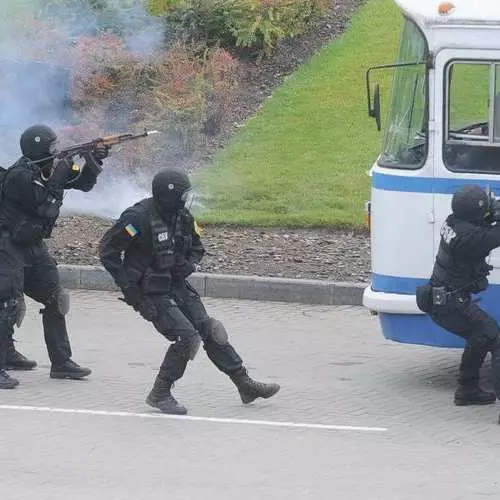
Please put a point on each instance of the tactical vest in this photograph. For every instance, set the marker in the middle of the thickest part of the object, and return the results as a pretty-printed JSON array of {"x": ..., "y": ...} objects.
[
  {"x": 459, "y": 275},
  {"x": 24, "y": 227},
  {"x": 170, "y": 244}
]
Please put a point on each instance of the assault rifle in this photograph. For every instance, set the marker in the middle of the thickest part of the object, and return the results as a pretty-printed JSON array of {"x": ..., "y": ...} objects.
[{"x": 84, "y": 147}]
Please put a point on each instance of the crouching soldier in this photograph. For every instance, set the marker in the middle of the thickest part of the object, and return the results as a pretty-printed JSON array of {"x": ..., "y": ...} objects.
[{"x": 468, "y": 235}]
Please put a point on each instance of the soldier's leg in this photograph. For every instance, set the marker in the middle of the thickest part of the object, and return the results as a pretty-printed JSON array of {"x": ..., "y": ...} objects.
[
  {"x": 175, "y": 327},
  {"x": 42, "y": 284},
  {"x": 14, "y": 359},
  {"x": 218, "y": 348},
  {"x": 12, "y": 306},
  {"x": 6, "y": 322},
  {"x": 480, "y": 332}
]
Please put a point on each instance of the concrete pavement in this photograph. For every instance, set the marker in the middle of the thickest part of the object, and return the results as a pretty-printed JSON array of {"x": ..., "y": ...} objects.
[{"x": 359, "y": 417}]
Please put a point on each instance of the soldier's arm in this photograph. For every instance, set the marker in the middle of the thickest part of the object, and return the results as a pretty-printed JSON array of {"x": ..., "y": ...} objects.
[
  {"x": 118, "y": 239},
  {"x": 84, "y": 178},
  {"x": 197, "y": 250},
  {"x": 482, "y": 240}
]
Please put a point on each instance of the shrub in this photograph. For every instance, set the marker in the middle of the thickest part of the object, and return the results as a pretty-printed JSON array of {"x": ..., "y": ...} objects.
[{"x": 256, "y": 24}]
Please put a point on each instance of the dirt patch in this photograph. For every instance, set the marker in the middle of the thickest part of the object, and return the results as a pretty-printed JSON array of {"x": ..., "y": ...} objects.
[{"x": 328, "y": 254}]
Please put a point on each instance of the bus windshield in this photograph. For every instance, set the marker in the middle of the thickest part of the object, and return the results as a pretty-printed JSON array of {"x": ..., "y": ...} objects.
[{"x": 406, "y": 138}]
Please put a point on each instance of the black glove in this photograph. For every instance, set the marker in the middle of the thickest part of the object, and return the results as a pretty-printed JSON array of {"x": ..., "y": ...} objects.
[
  {"x": 132, "y": 295},
  {"x": 100, "y": 152},
  {"x": 185, "y": 269}
]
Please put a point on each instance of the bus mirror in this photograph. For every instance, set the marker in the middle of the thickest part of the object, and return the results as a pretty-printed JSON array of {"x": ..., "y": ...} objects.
[
  {"x": 375, "y": 112},
  {"x": 373, "y": 107}
]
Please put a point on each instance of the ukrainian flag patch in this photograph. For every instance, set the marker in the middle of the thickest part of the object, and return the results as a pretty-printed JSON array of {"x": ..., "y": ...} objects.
[{"x": 131, "y": 230}]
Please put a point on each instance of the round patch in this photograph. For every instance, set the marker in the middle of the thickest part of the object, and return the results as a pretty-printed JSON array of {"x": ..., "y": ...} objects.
[
  {"x": 37, "y": 139},
  {"x": 170, "y": 186},
  {"x": 481, "y": 203}
]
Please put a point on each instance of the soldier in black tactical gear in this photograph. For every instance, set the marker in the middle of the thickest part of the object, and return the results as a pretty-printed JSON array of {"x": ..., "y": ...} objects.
[
  {"x": 468, "y": 235},
  {"x": 31, "y": 197},
  {"x": 161, "y": 247}
]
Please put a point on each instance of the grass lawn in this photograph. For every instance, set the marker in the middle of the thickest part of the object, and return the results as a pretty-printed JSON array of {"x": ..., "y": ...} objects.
[{"x": 302, "y": 160}]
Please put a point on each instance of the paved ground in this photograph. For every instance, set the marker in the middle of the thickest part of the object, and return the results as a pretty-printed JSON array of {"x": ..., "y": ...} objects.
[{"x": 390, "y": 430}]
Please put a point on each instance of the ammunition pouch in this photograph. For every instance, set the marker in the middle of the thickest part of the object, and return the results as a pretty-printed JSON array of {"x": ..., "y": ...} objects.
[
  {"x": 424, "y": 298},
  {"x": 439, "y": 295},
  {"x": 156, "y": 282},
  {"x": 165, "y": 259}
]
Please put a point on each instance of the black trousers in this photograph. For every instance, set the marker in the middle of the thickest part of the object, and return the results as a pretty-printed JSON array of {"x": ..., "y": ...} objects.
[
  {"x": 183, "y": 320},
  {"x": 463, "y": 317},
  {"x": 33, "y": 271}
]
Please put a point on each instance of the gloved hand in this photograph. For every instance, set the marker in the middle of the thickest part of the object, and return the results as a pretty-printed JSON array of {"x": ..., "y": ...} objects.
[
  {"x": 132, "y": 295},
  {"x": 100, "y": 152},
  {"x": 184, "y": 269}
]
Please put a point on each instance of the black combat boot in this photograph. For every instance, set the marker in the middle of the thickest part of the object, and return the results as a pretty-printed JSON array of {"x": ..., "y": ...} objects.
[
  {"x": 467, "y": 395},
  {"x": 69, "y": 369},
  {"x": 161, "y": 398},
  {"x": 6, "y": 381},
  {"x": 17, "y": 361},
  {"x": 250, "y": 390}
]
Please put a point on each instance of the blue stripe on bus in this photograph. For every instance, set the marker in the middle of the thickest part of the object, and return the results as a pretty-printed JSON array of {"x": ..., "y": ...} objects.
[
  {"x": 402, "y": 183},
  {"x": 418, "y": 328},
  {"x": 395, "y": 284}
]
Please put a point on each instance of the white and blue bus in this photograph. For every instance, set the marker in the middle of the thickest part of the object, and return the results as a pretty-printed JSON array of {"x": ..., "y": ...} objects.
[{"x": 442, "y": 131}]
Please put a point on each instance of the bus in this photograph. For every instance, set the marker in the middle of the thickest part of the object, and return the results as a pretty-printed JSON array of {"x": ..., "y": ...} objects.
[{"x": 442, "y": 132}]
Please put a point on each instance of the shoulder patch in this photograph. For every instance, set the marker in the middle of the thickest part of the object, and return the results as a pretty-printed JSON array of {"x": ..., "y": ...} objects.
[
  {"x": 197, "y": 228},
  {"x": 447, "y": 233},
  {"x": 131, "y": 230}
]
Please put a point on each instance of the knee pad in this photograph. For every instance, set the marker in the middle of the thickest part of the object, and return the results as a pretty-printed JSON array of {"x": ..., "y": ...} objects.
[
  {"x": 59, "y": 302},
  {"x": 213, "y": 330},
  {"x": 13, "y": 311}
]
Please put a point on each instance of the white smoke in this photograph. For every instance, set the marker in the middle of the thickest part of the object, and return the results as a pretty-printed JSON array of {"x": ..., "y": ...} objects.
[
  {"x": 34, "y": 80},
  {"x": 107, "y": 199}
]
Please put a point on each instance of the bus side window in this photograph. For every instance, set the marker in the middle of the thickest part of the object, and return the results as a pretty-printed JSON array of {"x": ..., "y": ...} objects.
[{"x": 468, "y": 146}]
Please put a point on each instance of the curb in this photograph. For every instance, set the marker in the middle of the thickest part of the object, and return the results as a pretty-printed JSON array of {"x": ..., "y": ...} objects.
[{"x": 229, "y": 286}]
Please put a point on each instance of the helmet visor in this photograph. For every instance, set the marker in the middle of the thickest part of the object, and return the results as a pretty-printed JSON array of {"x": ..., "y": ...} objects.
[{"x": 187, "y": 198}]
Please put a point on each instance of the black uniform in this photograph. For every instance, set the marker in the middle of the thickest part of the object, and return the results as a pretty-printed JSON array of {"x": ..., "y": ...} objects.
[
  {"x": 161, "y": 247},
  {"x": 467, "y": 237},
  {"x": 32, "y": 194}
]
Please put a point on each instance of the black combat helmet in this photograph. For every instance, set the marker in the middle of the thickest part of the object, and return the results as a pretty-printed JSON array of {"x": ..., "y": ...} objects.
[
  {"x": 170, "y": 187},
  {"x": 37, "y": 142},
  {"x": 471, "y": 203}
]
